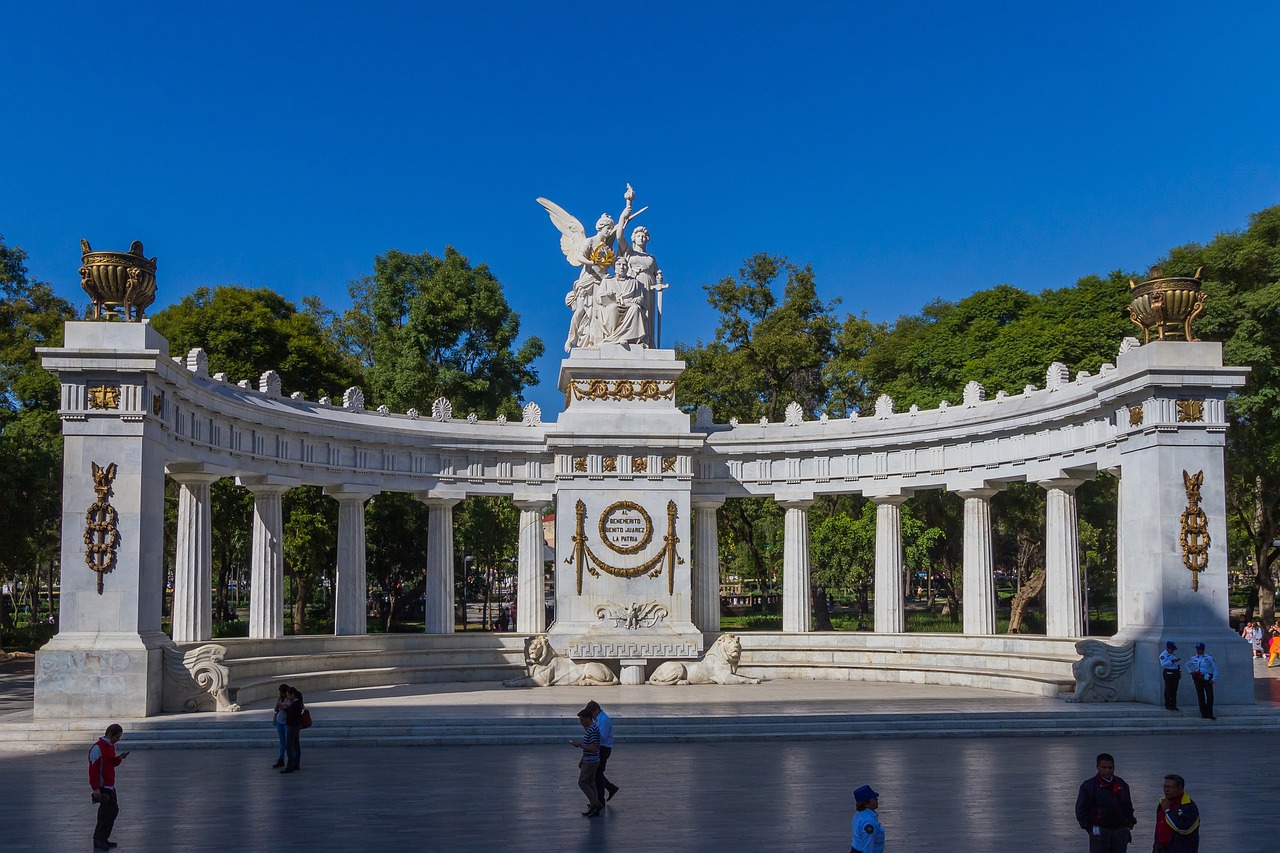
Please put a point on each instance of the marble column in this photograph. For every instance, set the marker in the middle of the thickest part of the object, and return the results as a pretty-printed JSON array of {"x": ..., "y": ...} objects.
[
  {"x": 1062, "y": 560},
  {"x": 439, "y": 592},
  {"x": 797, "y": 615},
  {"x": 266, "y": 567},
  {"x": 351, "y": 593},
  {"x": 890, "y": 606},
  {"x": 706, "y": 564},
  {"x": 193, "y": 560},
  {"x": 979, "y": 564},
  {"x": 531, "y": 610}
]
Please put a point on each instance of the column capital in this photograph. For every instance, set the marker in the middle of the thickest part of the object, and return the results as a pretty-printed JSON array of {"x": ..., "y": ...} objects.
[
  {"x": 985, "y": 493},
  {"x": 894, "y": 500},
  {"x": 794, "y": 503},
  {"x": 188, "y": 474},
  {"x": 438, "y": 502},
  {"x": 523, "y": 503},
  {"x": 706, "y": 501},
  {"x": 265, "y": 485},
  {"x": 342, "y": 495},
  {"x": 1065, "y": 484}
]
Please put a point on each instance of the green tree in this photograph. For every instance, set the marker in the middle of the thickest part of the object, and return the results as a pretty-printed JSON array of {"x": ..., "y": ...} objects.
[
  {"x": 246, "y": 332},
  {"x": 1241, "y": 271},
  {"x": 30, "y": 433},
  {"x": 427, "y": 327}
]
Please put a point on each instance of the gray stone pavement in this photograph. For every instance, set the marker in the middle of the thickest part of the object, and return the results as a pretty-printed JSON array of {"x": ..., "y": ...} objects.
[{"x": 965, "y": 794}]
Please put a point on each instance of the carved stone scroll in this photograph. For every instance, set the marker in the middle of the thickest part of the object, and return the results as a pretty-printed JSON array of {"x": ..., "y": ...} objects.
[
  {"x": 1104, "y": 672},
  {"x": 197, "y": 680}
]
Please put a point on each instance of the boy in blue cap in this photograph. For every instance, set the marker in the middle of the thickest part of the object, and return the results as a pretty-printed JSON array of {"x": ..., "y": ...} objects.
[
  {"x": 1172, "y": 675},
  {"x": 868, "y": 834}
]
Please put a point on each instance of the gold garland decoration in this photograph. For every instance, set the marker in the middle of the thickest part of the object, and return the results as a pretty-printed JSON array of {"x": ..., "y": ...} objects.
[
  {"x": 1194, "y": 533},
  {"x": 584, "y": 557},
  {"x": 101, "y": 525},
  {"x": 622, "y": 390}
]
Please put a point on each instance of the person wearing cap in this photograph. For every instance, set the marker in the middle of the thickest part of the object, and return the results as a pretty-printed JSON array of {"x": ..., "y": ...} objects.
[
  {"x": 868, "y": 834},
  {"x": 1104, "y": 809},
  {"x": 1204, "y": 671},
  {"x": 1172, "y": 675},
  {"x": 589, "y": 763}
]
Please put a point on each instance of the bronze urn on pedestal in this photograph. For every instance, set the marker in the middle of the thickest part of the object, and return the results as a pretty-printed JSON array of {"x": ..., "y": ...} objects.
[
  {"x": 1166, "y": 305},
  {"x": 120, "y": 284}
]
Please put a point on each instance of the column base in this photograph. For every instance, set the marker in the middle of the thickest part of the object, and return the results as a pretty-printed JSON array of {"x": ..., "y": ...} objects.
[
  {"x": 100, "y": 676},
  {"x": 632, "y": 670}
]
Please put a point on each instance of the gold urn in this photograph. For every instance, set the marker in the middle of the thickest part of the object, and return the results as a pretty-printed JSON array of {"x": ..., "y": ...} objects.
[
  {"x": 1166, "y": 305},
  {"x": 121, "y": 284}
]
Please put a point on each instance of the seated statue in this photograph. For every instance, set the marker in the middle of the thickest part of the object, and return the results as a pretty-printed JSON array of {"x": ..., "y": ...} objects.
[
  {"x": 548, "y": 669},
  {"x": 717, "y": 666}
]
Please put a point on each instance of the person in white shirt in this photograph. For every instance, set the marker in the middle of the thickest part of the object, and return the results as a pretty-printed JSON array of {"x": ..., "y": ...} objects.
[{"x": 1204, "y": 672}]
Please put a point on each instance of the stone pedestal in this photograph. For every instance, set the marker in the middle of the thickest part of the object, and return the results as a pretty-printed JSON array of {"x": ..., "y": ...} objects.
[
  {"x": 623, "y": 462},
  {"x": 632, "y": 671},
  {"x": 107, "y": 660}
]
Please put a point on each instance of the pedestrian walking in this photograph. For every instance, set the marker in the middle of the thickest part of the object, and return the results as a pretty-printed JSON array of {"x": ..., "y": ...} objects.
[
  {"x": 103, "y": 762},
  {"x": 293, "y": 715},
  {"x": 1204, "y": 672},
  {"x": 1170, "y": 663},
  {"x": 1177, "y": 819},
  {"x": 282, "y": 730},
  {"x": 604, "y": 788},
  {"x": 589, "y": 762},
  {"x": 868, "y": 834},
  {"x": 1104, "y": 809}
]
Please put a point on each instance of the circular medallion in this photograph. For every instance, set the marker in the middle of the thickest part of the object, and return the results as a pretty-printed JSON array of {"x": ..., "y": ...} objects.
[{"x": 625, "y": 527}]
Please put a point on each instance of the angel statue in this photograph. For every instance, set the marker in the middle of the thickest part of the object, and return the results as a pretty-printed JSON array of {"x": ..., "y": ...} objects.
[{"x": 590, "y": 325}]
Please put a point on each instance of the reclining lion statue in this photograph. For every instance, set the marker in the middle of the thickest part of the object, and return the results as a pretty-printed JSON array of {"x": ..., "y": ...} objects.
[
  {"x": 716, "y": 667},
  {"x": 548, "y": 669}
]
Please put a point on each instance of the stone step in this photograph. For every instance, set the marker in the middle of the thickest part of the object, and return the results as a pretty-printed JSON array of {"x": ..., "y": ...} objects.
[{"x": 220, "y": 733}]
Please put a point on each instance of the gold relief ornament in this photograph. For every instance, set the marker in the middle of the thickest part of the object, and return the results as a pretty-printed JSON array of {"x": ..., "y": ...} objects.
[
  {"x": 1194, "y": 533},
  {"x": 101, "y": 528},
  {"x": 1190, "y": 411},
  {"x": 667, "y": 557},
  {"x": 602, "y": 255},
  {"x": 622, "y": 390},
  {"x": 668, "y": 464},
  {"x": 1135, "y": 415},
  {"x": 610, "y": 464},
  {"x": 580, "y": 464},
  {"x": 104, "y": 396},
  {"x": 640, "y": 464}
]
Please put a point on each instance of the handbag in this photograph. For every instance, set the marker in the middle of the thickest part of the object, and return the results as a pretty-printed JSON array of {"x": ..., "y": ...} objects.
[{"x": 306, "y": 718}]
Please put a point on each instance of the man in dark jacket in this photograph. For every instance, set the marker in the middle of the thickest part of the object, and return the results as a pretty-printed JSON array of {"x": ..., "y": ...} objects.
[{"x": 1104, "y": 809}]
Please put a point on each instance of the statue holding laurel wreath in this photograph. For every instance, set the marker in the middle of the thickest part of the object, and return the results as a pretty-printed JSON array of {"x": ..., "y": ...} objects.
[{"x": 607, "y": 307}]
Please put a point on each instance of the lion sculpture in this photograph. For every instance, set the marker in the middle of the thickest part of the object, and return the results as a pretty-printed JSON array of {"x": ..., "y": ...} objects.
[
  {"x": 548, "y": 669},
  {"x": 716, "y": 667}
]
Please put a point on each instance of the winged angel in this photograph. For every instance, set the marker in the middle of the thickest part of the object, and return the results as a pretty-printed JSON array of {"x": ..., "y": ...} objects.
[{"x": 606, "y": 308}]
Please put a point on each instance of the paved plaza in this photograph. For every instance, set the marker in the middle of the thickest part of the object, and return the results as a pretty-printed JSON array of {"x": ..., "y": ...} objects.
[
  {"x": 944, "y": 794},
  {"x": 963, "y": 794}
]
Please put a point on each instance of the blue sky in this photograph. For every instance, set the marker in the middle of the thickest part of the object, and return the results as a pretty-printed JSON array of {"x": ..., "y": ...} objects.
[{"x": 908, "y": 151}]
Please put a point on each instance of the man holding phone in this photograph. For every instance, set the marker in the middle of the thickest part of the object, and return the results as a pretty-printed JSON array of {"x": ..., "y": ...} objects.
[{"x": 103, "y": 762}]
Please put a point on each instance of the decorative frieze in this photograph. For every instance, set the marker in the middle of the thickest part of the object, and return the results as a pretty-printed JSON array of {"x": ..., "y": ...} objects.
[{"x": 622, "y": 390}]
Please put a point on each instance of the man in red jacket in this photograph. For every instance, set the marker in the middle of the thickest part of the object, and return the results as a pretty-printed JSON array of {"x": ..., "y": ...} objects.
[{"x": 103, "y": 762}]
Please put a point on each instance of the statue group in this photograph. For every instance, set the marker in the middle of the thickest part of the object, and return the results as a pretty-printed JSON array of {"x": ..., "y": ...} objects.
[{"x": 616, "y": 299}]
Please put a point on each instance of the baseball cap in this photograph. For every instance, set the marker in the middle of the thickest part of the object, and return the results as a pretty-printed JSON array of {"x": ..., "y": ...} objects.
[
  {"x": 863, "y": 794},
  {"x": 1199, "y": 647},
  {"x": 1170, "y": 646}
]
